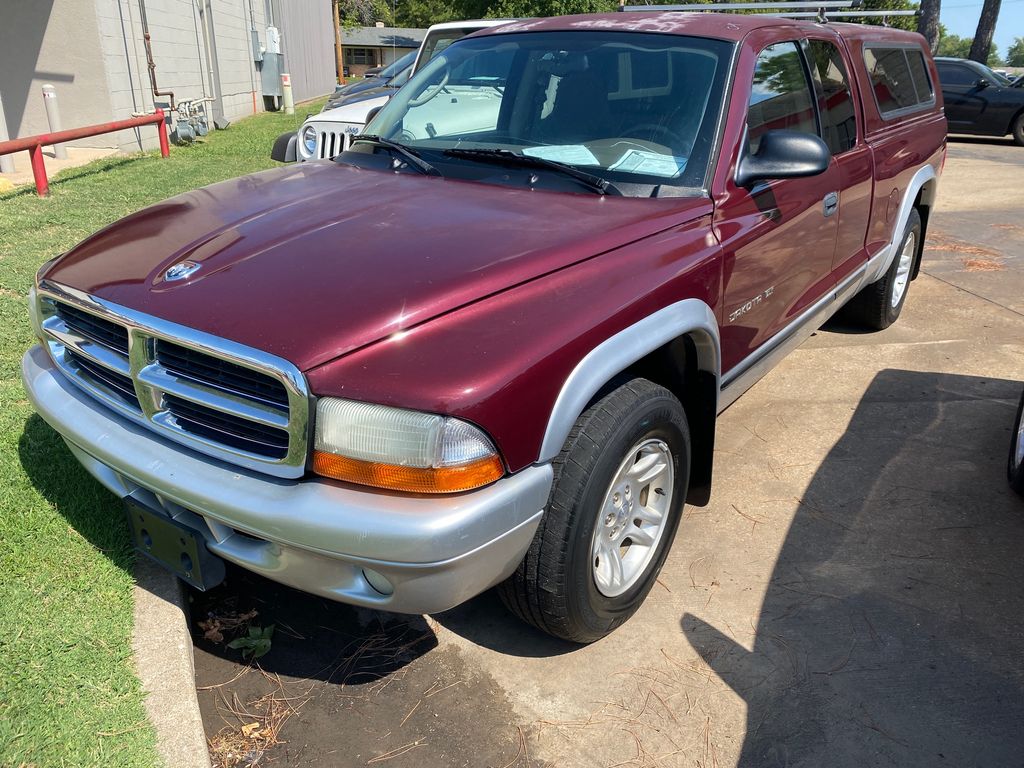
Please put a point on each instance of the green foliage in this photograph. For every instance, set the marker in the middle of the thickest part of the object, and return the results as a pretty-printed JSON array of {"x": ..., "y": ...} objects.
[
  {"x": 896, "y": 22},
  {"x": 1015, "y": 53},
  {"x": 959, "y": 47},
  {"x": 423, "y": 13},
  {"x": 364, "y": 13},
  {"x": 954, "y": 45},
  {"x": 68, "y": 691},
  {"x": 525, "y": 8},
  {"x": 255, "y": 643}
]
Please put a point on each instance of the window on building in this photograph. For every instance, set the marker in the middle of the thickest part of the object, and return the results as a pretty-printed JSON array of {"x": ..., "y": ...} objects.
[
  {"x": 781, "y": 96},
  {"x": 361, "y": 56}
]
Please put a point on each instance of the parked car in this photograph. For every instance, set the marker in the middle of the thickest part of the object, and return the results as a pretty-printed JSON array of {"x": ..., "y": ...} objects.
[
  {"x": 980, "y": 101},
  {"x": 488, "y": 344},
  {"x": 329, "y": 133},
  {"x": 1015, "y": 463},
  {"x": 394, "y": 75}
]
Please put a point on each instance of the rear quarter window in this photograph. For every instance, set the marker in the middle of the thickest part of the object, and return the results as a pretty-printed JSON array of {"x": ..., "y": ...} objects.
[{"x": 899, "y": 79}]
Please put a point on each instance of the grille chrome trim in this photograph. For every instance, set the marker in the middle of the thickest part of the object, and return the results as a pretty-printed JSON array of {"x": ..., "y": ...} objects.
[{"x": 152, "y": 381}]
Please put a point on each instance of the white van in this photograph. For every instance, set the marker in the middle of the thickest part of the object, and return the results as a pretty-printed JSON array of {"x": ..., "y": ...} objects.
[{"x": 329, "y": 133}]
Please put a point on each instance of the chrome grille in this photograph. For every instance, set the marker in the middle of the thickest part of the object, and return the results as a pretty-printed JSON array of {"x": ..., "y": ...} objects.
[
  {"x": 220, "y": 373},
  {"x": 218, "y": 397},
  {"x": 118, "y": 384}
]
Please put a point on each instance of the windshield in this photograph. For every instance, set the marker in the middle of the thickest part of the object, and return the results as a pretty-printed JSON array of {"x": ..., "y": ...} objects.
[
  {"x": 993, "y": 76},
  {"x": 629, "y": 107},
  {"x": 397, "y": 66}
]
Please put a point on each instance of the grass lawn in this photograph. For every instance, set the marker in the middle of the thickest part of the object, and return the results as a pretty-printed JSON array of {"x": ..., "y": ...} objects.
[{"x": 68, "y": 693}]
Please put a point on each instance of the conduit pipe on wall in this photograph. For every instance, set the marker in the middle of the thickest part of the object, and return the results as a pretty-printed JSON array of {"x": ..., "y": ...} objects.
[{"x": 149, "y": 58}]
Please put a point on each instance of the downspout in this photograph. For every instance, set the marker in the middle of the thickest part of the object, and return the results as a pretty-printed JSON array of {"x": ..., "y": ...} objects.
[
  {"x": 149, "y": 57},
  {"x": 210, "y": 37}
]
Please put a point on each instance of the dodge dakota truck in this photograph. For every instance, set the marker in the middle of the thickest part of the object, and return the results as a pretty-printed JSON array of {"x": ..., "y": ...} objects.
[{"x": 500, "y": 362}]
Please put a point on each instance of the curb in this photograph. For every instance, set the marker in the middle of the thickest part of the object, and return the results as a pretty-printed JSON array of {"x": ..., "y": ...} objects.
[{"x": 162, "y": 646}]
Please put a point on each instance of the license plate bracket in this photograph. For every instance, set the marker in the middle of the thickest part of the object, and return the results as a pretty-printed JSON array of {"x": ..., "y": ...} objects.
[{"x": 174, "y": 546}]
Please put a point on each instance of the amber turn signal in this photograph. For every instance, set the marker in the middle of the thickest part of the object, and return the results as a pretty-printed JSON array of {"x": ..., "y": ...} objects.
[{"x": 393, "y": 477}]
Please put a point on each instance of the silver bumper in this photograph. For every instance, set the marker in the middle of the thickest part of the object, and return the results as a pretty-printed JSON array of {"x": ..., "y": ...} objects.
[{"x": 435, "y": 552}]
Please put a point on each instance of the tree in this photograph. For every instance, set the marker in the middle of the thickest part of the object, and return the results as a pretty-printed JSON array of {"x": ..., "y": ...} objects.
[
  {"x": 986, "y": 28},
  {"x": 898, "y": 22},
  {"x": 960, "y": 48},
  {"x": 928, "y": 22},
  {"x": 1015, "y": 53}
]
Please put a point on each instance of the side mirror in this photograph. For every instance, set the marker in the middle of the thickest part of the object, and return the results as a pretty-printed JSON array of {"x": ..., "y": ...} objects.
[
  {"x": 373, "y": 113},
  {"x": 982, "y": 83},
  {"x": 784, "y": 155}
]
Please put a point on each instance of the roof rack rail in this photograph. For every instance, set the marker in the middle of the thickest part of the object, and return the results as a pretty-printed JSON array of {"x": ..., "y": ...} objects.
[{"x": 822, "y": 10}]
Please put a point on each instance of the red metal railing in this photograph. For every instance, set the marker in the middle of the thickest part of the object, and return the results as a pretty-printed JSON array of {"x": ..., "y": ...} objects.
[{"x": 34, "y": 144}]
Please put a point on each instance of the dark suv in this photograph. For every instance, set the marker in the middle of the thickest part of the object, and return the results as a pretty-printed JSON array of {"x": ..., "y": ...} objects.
[{"x": 981, "y": 101}]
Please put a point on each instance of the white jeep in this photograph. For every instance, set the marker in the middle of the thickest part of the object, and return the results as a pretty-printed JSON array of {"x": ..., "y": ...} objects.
[{"x": 329, "y": 133}]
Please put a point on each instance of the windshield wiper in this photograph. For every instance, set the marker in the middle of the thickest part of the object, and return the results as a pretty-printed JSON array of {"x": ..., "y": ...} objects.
[
  {"x": 411, "y": 156},
  {"x": 508, "y": 157}
]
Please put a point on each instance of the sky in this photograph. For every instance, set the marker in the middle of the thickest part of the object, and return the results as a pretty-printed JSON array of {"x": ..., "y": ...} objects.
[{"x": 961, "y": 18}]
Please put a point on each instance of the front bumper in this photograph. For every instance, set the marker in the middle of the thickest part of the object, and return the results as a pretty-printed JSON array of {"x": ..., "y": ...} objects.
[{"x": 312, "y": 534}]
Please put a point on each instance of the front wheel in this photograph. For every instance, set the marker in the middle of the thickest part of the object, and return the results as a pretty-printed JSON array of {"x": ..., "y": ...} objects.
[
  {"x": 878, "y": 305},
  {"x": 614, "y": 508},
  {"x": 1015, "y": 464},
  {"x": 1017, "y": 129}
]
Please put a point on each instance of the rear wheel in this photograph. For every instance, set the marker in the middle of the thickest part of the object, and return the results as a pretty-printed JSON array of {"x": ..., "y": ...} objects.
[
  {"x": 1015, "y": 463},
  {"x": 1017, "y": 129},
  {"x": 878, "y": 305},
  {"x": 614, "y": 508}
]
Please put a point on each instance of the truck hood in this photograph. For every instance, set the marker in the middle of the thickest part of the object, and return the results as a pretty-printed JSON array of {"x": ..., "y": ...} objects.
[{"x": 312, "y": 261}]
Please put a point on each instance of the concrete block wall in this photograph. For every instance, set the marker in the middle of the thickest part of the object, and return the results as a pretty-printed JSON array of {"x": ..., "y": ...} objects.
[
  {"x": 51, "y": 42},
  {"x": 93, "y": 52},
  {"x": 240, "y": 81}
]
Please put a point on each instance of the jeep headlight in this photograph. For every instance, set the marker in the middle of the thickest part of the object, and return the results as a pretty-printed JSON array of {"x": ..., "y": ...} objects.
[
  {"x": 401, "y": 450},
  {"x": 308, "y": 140}
]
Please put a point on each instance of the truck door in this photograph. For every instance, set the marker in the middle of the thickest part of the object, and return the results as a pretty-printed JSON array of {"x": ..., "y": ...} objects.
[
  {"x": 840, "y": 123},
  {"x": 778, "y": 237}
]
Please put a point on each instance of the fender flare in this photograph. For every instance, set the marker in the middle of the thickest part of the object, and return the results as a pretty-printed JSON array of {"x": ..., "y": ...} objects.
[
  {"x": 879, "y": 264},
  {"x": 618, "y": 352}
]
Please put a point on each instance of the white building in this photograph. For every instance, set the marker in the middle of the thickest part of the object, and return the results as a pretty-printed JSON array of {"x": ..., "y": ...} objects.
[{"x": 93, "y": 52}]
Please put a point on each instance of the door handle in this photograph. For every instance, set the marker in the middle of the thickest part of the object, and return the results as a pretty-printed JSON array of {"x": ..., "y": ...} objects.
[{"x": 830, "y": 204}]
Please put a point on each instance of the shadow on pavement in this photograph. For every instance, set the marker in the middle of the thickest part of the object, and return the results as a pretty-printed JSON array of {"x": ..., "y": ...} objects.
[
  {"x": 1004, "y": 141},
  {"x": 890, "y": 632}
]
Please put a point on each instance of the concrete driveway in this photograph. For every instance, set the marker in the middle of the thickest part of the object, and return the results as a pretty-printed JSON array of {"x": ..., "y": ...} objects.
[{"x": 851, "y": 596}]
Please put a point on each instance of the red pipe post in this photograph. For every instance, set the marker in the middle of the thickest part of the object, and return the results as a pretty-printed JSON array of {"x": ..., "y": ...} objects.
[
  {"x": 34, "y": 144},
  {"x": 161, "y": 129},
  {"x": 39, "y": 170}
]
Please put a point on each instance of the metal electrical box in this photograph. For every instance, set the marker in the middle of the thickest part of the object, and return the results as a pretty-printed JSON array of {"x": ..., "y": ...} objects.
[{"x": 272, "y": 64}]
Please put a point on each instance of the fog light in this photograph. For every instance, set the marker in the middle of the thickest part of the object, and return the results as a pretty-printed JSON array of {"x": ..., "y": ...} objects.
[{"x": 378, "y": 582}]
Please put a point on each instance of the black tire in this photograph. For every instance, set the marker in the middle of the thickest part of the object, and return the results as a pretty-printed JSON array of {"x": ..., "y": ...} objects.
[
  {"x": 1015, "y": 469},
  {"x": 1017, "y": 129},
  {"x": 554, "y": 587},
  {"x": 873, "y": 308}
]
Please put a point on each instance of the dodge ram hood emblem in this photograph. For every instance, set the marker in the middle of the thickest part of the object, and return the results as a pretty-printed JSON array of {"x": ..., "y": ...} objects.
[{"x": 181, "y": 270}]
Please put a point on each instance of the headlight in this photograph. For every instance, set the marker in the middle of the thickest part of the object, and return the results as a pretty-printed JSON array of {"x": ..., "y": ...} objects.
[
  {"x": 401, "y": 450},
  {"x": 308, "y": 140}
]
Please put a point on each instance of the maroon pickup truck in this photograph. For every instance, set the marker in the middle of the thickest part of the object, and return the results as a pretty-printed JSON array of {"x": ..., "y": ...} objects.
[{"x": 489, "y": 343}]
